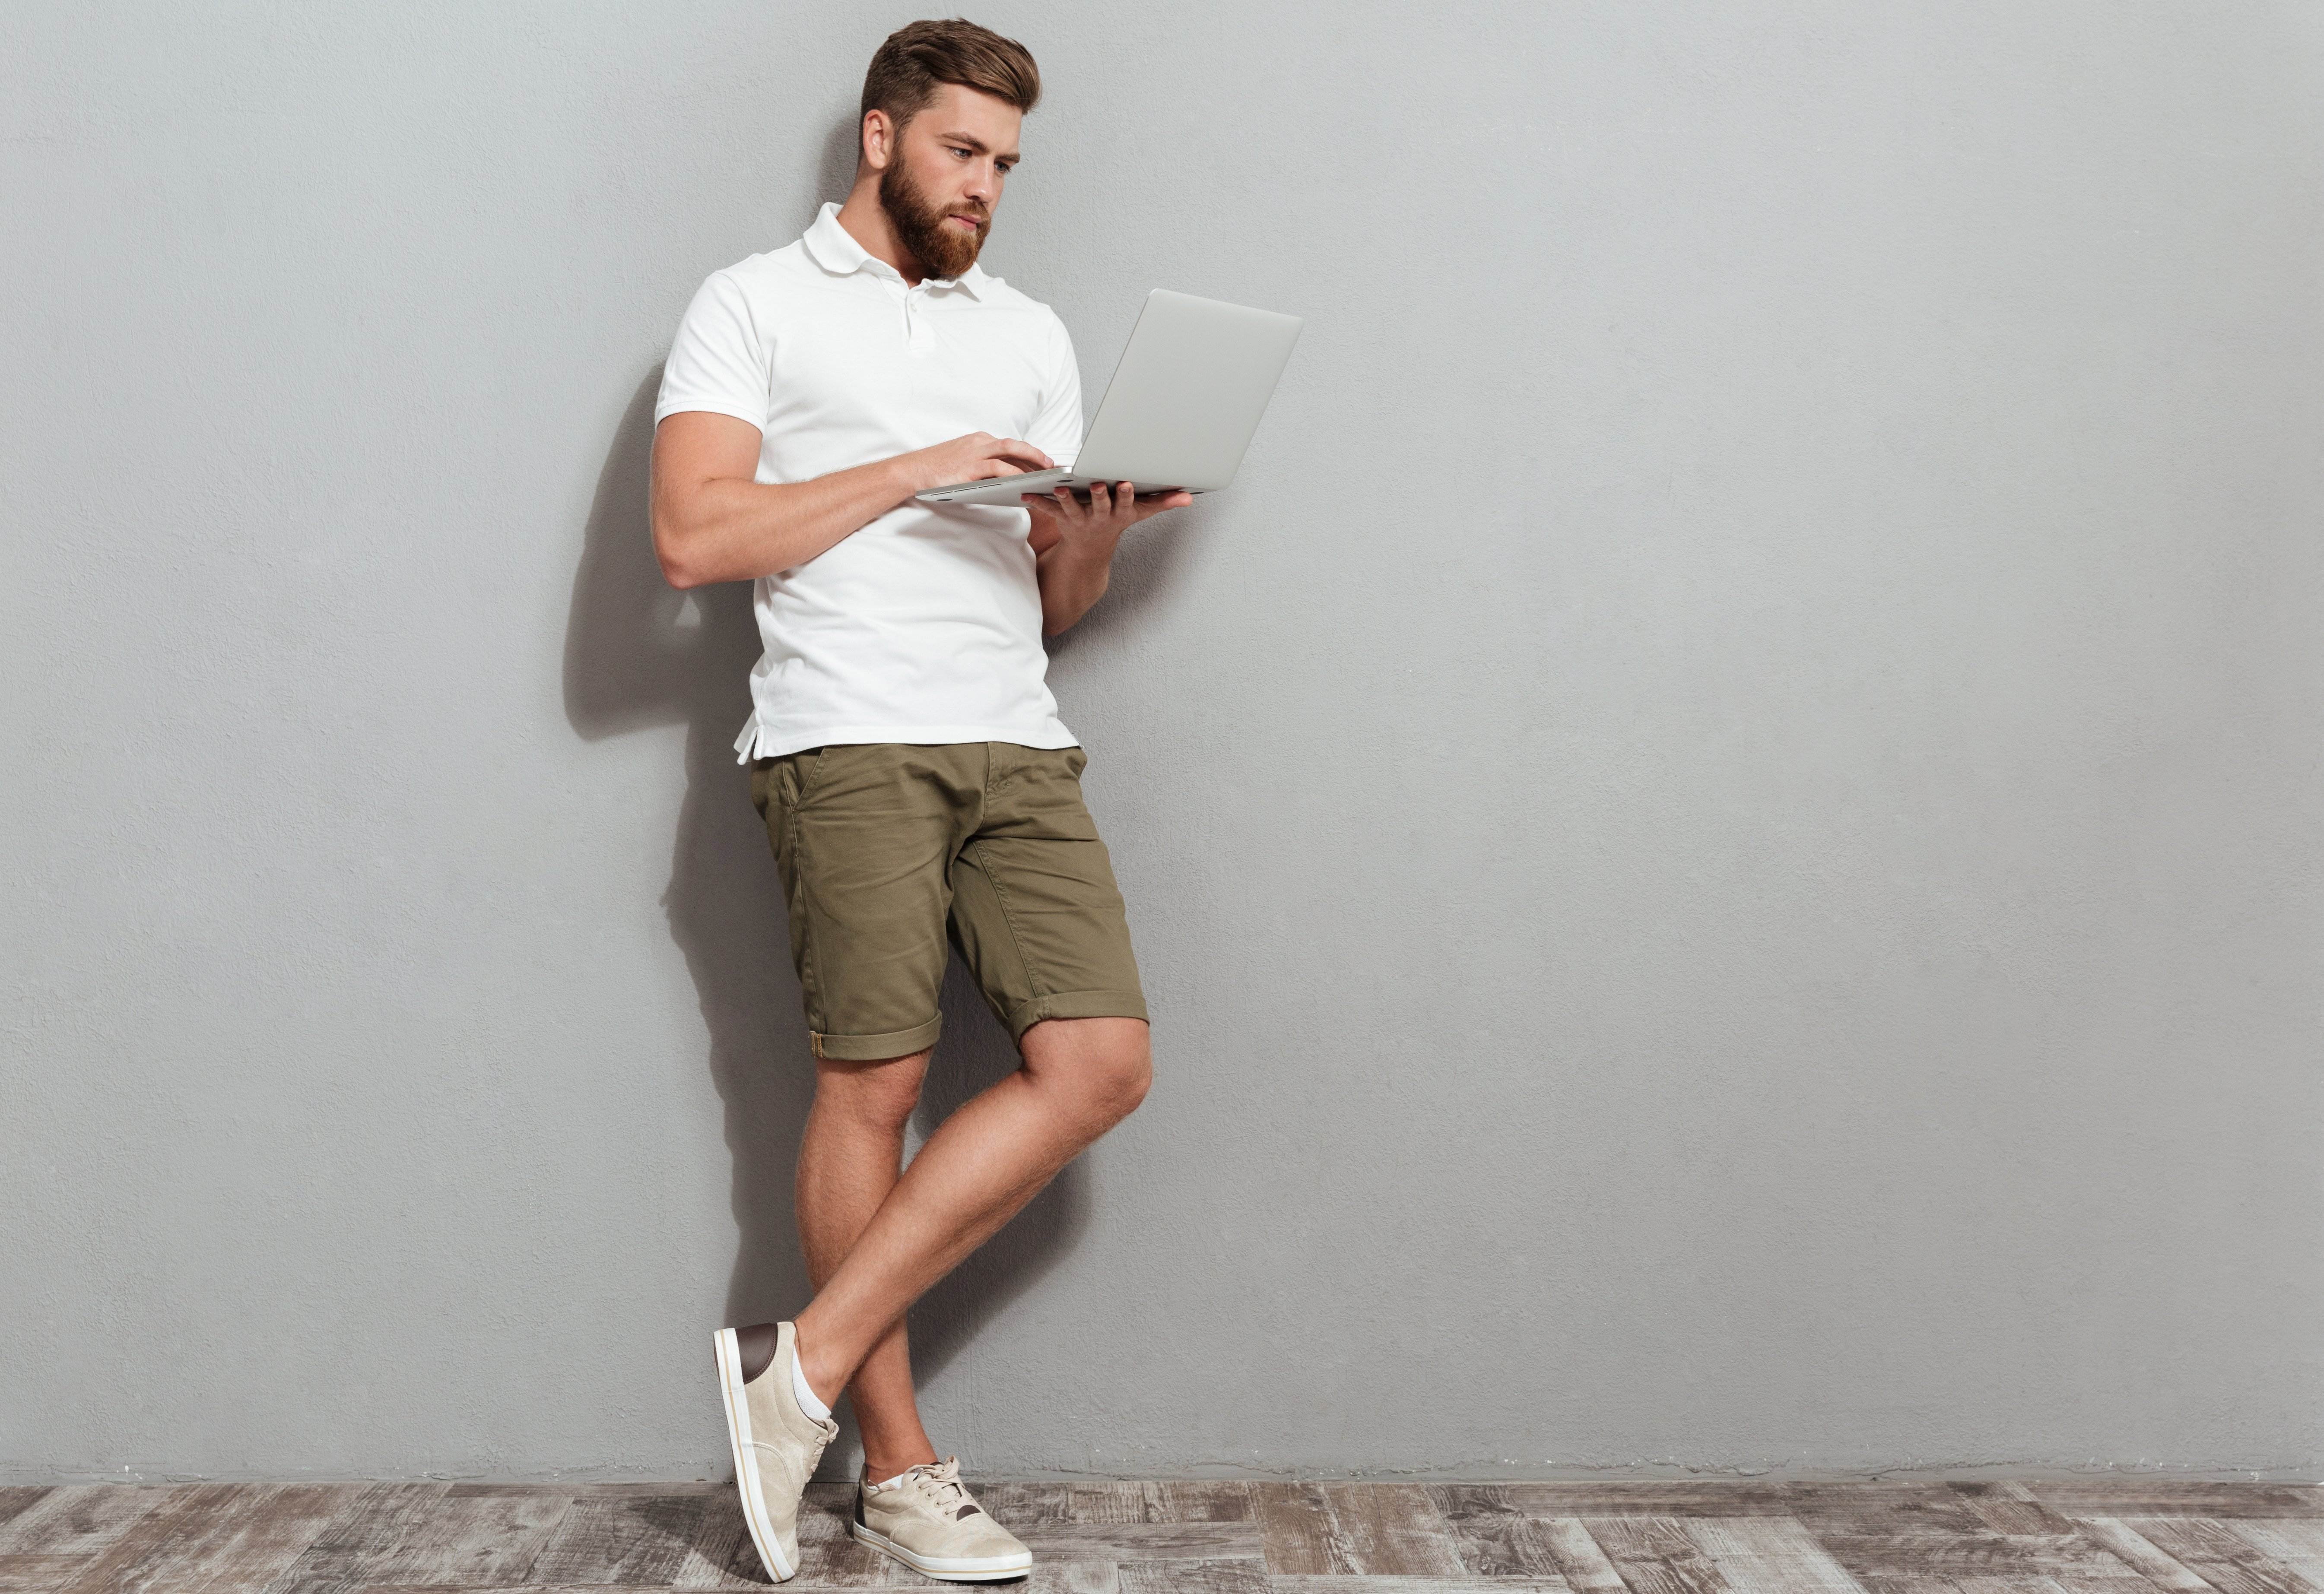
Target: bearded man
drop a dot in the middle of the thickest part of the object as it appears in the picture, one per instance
(918, 786)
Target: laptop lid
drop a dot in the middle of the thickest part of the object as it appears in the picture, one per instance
(1186, 399)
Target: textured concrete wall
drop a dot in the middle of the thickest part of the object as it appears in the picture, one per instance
(1723, 827)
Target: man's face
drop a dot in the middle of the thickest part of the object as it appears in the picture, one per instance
(944, 173)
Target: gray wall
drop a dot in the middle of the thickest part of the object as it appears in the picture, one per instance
(1723, 827)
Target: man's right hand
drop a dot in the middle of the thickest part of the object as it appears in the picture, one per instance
(977, 457)
(713, 521)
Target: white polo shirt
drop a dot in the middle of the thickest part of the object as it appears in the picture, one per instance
(926, 624)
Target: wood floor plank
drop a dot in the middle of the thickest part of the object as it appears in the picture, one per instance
(586, 1491)
(721, 1555)
(1653, 1497)
(216, 1537)
(1125, 1541)
(1073, 1577)
(838, 1563)
(1583, 1564)
(1241, 1575)
(1225, 1499)
(82, 1519)
(358, 1539)
(1223, 1536)
(1086, 1502)
(1018, 1503)
(1375, 1529)
(249, 1548)
(37, 1574)
(2231, 1564)
(2010, 1508)
(724, 1556)
(1872, 1508)
(1949, 1532)
(478, 1539)
(2121, 1498)
(16, 1498)
(1768, 1555)
(2126, 1545)
(1492, 1537)
(1975, 1553)
(1389, 1530)
(829, 1555)
(825, 1511)
(621, 1538)
(1199, 1500)
(1295, 1527)
(2295, 1542)
(1653, 1555)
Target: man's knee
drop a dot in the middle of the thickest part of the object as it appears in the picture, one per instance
(880, 1095)
(1129, 1073)
(1102, 1067)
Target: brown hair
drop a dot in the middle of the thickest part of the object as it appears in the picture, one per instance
(913, 59)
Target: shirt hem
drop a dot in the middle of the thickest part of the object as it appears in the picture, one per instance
(760, 742)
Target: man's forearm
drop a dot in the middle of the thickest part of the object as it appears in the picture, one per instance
(1072, 576)
(733, 529)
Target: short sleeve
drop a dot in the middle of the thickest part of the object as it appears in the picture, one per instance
(718, 361)
(1056, 428)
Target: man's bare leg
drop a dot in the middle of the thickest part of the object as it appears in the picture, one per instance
(1080, 1077)
(848, 1158)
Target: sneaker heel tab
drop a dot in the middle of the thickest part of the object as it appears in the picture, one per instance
(755, 1347)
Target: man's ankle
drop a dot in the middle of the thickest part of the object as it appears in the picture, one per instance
(880, 1472)
(811, 1374)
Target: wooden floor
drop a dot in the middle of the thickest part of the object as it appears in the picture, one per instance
(2102, 1536)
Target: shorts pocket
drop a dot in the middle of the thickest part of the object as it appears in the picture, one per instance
(796, 774)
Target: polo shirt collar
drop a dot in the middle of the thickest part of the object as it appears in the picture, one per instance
(836, 250)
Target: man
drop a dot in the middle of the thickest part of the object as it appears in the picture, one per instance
(916, 785)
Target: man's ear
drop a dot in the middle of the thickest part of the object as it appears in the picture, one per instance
(877, 144)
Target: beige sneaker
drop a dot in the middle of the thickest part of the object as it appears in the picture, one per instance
(775, 1446)
(927, 1520)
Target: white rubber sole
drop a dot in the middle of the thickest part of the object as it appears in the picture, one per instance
(952, 1569)
(746, 1460)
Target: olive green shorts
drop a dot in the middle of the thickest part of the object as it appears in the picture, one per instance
(888, 850)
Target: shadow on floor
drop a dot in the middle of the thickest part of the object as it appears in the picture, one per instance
(639, 654)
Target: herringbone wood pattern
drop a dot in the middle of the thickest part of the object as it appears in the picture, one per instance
(2101, 1536)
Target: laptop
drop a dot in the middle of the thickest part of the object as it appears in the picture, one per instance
(1180, 411)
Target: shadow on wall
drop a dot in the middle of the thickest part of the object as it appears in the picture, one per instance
(639, 654)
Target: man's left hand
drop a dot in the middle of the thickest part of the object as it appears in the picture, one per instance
(1061, 517)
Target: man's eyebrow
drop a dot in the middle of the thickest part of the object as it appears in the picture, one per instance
(973, 142)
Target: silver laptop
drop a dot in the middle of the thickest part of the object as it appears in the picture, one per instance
(1180, 411)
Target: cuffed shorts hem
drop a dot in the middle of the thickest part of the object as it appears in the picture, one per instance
(1076, 1004)
(877, 1048)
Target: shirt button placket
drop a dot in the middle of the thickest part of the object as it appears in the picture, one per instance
(917, 337)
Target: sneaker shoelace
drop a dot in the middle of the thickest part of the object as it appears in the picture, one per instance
(939, 1482)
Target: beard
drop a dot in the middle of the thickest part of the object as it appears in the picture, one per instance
(942, 249)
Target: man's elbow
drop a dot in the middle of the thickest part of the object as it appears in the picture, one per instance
(673, 552)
